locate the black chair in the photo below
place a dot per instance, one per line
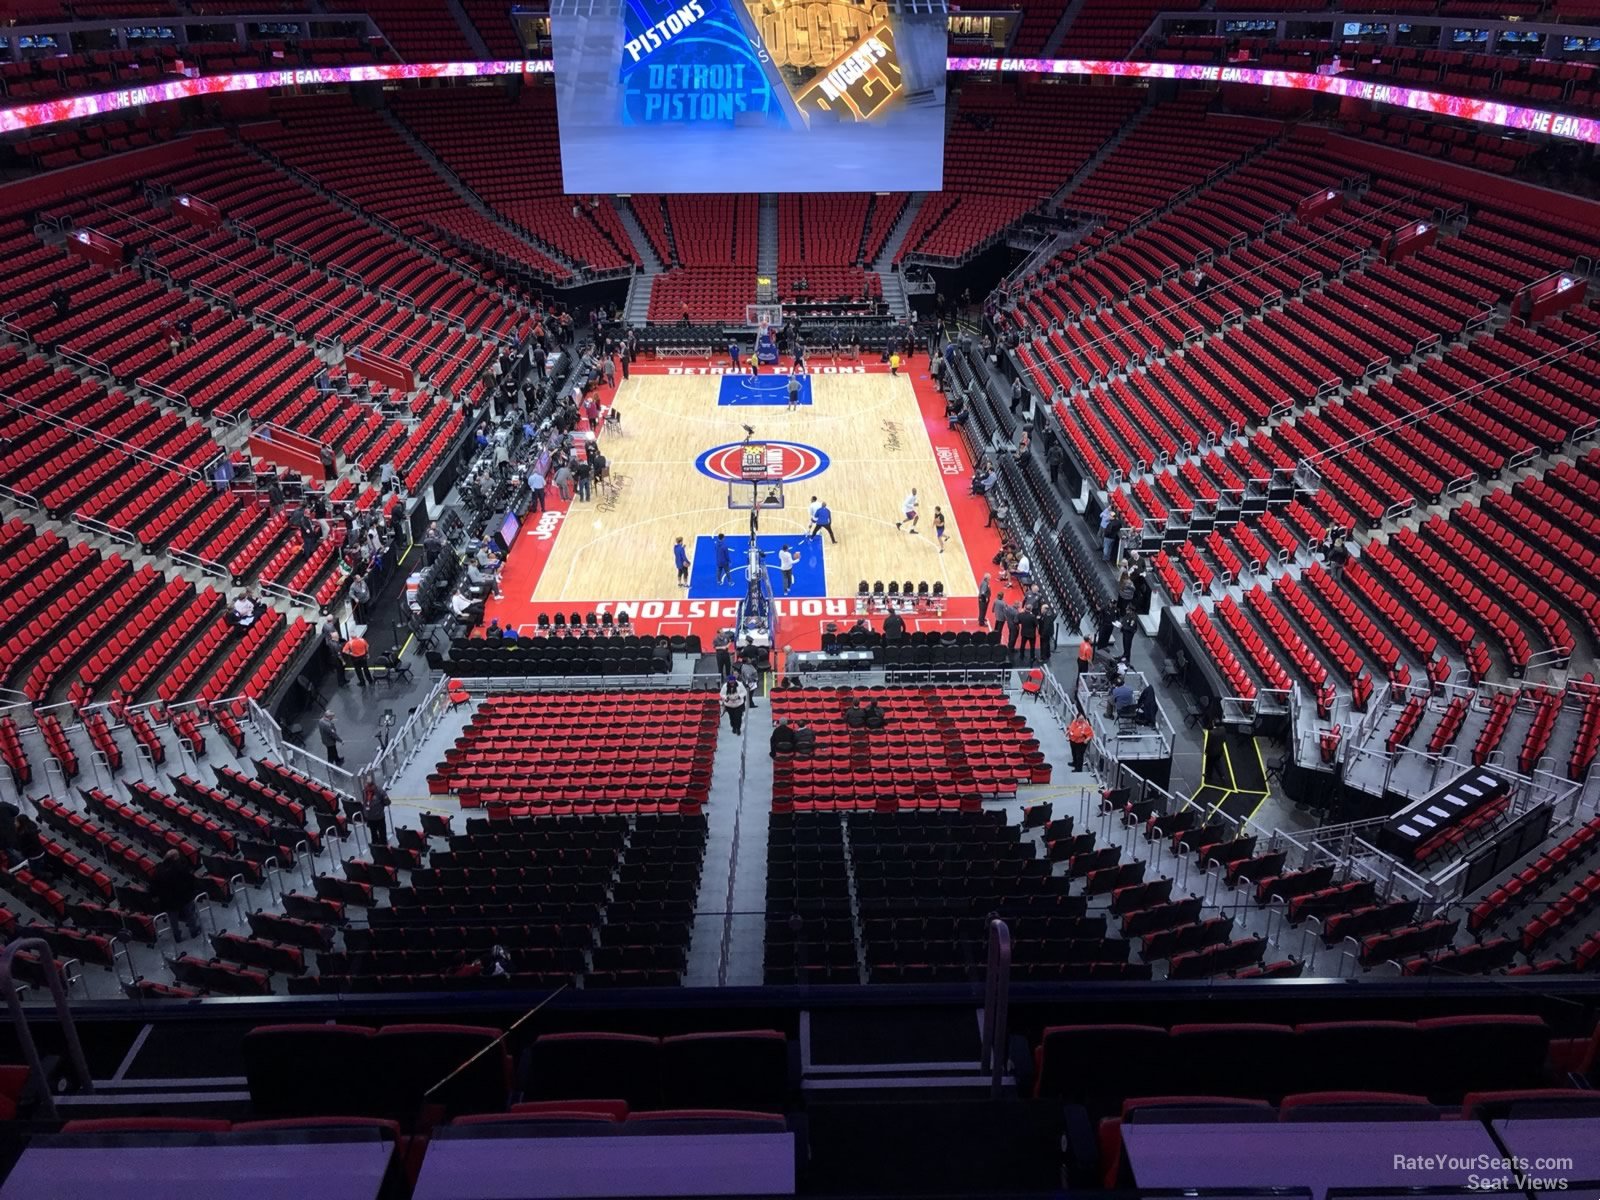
(393, 667)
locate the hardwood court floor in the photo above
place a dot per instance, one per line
(869, 426)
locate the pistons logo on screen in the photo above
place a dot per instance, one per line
(798, 461)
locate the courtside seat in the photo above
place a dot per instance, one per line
(1356, 1106)
(308, 1070)
(743, 1069)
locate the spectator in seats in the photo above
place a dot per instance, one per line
(497, 963)
(733, 702)
(185, 329)
(805, 739)
(1023, 571)
(999, 513)
(328, 731)
(1111, 535)
(468, 611)
(173, 885)
(956, 414)
(985, 590)
(244, 612)
(984, 479)
(782, 739)
(873, 715)
(854, 715)
(60, 302)
(1080, 733)
(360, 597)
(1054, 456)
(375, 809)
(1028, 623)
(894, 627)
(1122, 700)
(356, 650)
(1333, 551)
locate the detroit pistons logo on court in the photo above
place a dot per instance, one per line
(798, 461)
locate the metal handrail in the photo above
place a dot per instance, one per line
(58, 992)
(996, 1004)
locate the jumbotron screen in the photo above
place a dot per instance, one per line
(750, 95)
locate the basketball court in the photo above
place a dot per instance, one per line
(859, 439)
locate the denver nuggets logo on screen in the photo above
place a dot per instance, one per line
(798, 461)
(692, 63)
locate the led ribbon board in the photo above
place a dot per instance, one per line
(1568, 126)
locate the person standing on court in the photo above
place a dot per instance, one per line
(894, 363)
(811, 511)
(733, 355)
(680, 558)
(733, 702)
(794, 391)
(564, 482)
(823, 520)
(786, 561)
(580, 475)
(536, 484)
(356, 650)
(724, 558)
(1002, 616)
(938, 527)
(985, 590)
(908, 510)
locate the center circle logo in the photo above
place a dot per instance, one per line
(799, 461)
